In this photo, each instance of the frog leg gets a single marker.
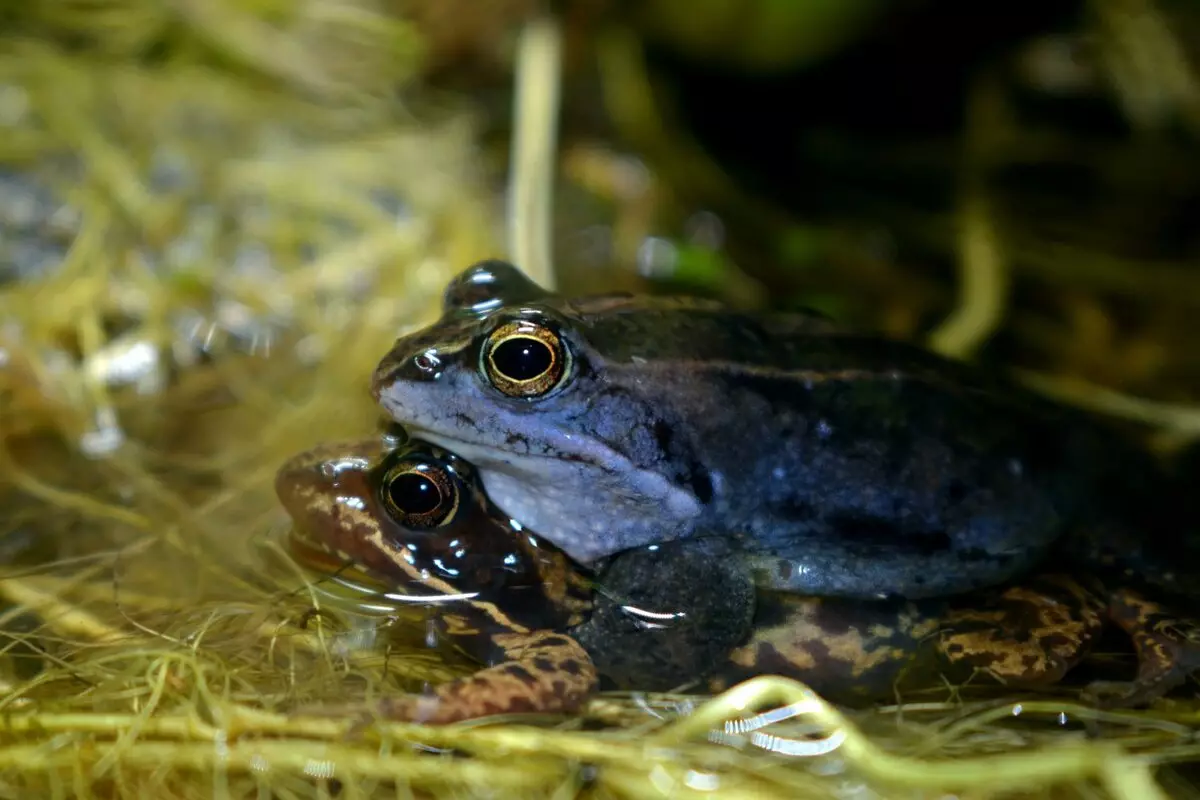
(539, 672)
(1024, 635)
(847, 650)
(666, 616)
(1167, 647)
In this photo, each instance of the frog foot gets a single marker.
(541, 672)
(1030, 634)
(1167, 648)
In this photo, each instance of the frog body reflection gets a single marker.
(416, 521)
(844, 465)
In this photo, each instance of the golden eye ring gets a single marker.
(525, 359)
(419, 495)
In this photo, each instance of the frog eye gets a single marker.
(525, 359)
(419, 495)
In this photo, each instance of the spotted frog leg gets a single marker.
(1030, 634)
(540, 671)
(849, 651)
(1034, 633)
(1167, 647)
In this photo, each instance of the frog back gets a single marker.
(863, 468)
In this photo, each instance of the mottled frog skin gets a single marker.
(415, 521)
(842, 464)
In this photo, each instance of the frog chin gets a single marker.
(576, 491)
(585, 520)
(589, 501)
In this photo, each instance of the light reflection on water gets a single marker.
(735, 732)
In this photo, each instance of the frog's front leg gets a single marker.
(1029, 634)
(538, 672)
(668, 614)
(1167, 646)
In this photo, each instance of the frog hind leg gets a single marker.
(849, 651)
(538, 672)
(1167, 646)
(1030, 634)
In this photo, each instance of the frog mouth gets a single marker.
(502, 451)
(340, 580)
(311, 552)
(499, 455)
(367, 590)
(494, 440)
(479, 451)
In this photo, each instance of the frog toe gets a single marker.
(1167, 647)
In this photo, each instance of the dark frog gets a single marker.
(416, 522)
(843, 464)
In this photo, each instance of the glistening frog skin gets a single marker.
(847, 465)
(416, 522)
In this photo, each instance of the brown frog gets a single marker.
(416, 522)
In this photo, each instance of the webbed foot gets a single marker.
(1026, 635)
(1167, 648)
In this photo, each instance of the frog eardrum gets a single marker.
(419, 494)
(525, 359)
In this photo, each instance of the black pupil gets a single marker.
(413, 493)
(522, 358)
